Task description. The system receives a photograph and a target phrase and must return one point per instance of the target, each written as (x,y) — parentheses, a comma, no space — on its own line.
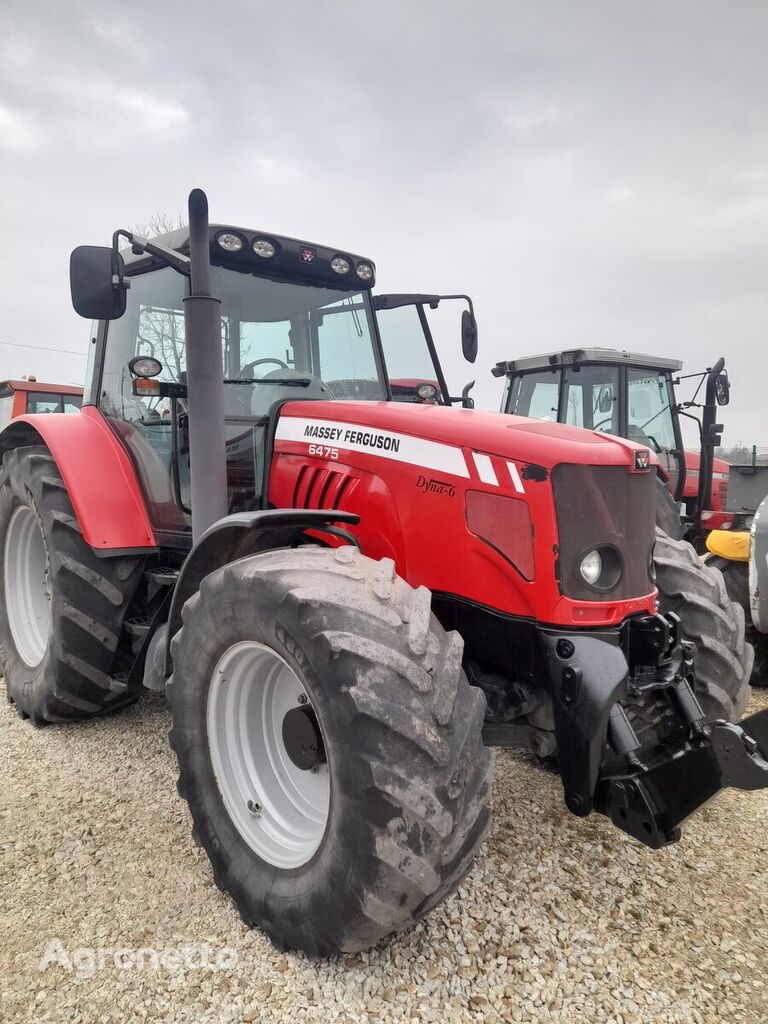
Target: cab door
(651,421)
(406,328)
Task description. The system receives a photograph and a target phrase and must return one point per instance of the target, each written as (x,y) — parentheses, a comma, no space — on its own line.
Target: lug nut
(302,698)
(254,807)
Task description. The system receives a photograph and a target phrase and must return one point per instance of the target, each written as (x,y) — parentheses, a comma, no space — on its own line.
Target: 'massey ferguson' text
(348,435)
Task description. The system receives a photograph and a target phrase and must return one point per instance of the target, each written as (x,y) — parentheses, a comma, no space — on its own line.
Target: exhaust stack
(205,375)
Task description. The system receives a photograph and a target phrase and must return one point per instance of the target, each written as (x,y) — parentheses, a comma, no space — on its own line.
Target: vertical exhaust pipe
(205,374)
(710,438)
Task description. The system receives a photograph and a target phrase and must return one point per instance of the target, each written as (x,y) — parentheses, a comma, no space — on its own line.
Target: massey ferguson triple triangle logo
(642,461)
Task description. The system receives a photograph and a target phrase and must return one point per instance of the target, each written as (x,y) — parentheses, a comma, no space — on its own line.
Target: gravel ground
(560,920)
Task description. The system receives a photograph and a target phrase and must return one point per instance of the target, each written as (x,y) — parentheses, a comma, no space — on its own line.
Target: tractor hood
(375,425)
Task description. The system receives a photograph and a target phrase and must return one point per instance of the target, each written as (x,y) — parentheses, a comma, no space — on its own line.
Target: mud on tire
(409,776)
(87,595)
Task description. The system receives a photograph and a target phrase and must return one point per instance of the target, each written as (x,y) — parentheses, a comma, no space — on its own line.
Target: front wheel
(329,746)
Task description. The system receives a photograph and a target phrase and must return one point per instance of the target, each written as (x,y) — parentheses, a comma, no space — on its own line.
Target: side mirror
(605,400)
(97,292)
(469,336)
(722,388)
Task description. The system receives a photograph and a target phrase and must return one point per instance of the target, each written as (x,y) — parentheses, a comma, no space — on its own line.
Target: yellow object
(733,545)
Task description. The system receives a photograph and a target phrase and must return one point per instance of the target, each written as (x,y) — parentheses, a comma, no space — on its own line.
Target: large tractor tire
(736,576)
(697,593)
(329,746)
(668,511)
(61,608)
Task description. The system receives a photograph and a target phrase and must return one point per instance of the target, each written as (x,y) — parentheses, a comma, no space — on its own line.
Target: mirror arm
(176,260)
(466,298)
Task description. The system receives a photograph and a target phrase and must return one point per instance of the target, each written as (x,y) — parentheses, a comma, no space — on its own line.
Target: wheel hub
(302,738)
(269,762)
(27,597)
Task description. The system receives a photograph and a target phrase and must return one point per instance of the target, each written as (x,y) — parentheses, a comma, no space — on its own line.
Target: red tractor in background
(343,596)
(633,395)
(18,397)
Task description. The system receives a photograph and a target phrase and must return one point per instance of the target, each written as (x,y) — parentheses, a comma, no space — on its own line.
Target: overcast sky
(592,173)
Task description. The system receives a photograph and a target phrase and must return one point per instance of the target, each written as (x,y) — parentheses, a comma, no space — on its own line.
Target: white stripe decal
(515,478)
(485,469)
(416,451)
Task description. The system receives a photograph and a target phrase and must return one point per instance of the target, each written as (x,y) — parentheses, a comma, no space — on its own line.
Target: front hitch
(589,674)
(652,801)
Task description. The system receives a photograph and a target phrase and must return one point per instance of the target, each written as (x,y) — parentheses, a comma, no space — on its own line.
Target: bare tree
(161,331)
(159,224)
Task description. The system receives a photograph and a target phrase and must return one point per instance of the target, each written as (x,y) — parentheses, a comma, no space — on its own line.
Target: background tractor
(632,395)
(32,396)
(343,595)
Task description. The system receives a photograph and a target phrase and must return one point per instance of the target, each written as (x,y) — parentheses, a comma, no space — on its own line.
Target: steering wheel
(247,370)
(602,423)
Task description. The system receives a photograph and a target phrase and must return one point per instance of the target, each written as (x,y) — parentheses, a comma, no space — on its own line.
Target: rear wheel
(329,746)
(62,607)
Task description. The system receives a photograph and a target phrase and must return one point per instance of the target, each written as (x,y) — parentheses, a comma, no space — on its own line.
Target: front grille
(604,505)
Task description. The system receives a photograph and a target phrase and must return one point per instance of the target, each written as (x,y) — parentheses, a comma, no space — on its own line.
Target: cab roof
(292,258)
(39,385)
(579,356)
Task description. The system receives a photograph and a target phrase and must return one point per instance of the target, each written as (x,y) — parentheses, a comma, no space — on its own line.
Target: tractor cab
(297,322)
(630,395)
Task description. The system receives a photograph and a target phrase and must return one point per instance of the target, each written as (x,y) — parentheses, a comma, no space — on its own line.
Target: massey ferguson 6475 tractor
(343,595)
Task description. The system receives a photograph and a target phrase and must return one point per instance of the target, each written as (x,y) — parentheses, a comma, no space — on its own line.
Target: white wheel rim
(27,599)
(279,809)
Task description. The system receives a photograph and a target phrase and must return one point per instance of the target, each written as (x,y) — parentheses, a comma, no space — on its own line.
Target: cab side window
(649,414)
(591,398)
(536,395)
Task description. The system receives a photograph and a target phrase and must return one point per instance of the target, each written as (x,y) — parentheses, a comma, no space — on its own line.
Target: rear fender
(98,475)
(241,534)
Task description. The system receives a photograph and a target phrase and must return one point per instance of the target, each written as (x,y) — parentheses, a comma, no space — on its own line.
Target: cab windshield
(280,341)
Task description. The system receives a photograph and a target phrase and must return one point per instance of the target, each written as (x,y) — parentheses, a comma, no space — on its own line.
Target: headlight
(340,265)
(364,271)
(591,567)
(264,248)
(145,366)
(601,567)
(427,392)
(229,241)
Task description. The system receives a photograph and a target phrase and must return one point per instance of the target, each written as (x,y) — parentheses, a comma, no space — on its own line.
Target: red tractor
(343,595)
(31,396)
(633,395)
